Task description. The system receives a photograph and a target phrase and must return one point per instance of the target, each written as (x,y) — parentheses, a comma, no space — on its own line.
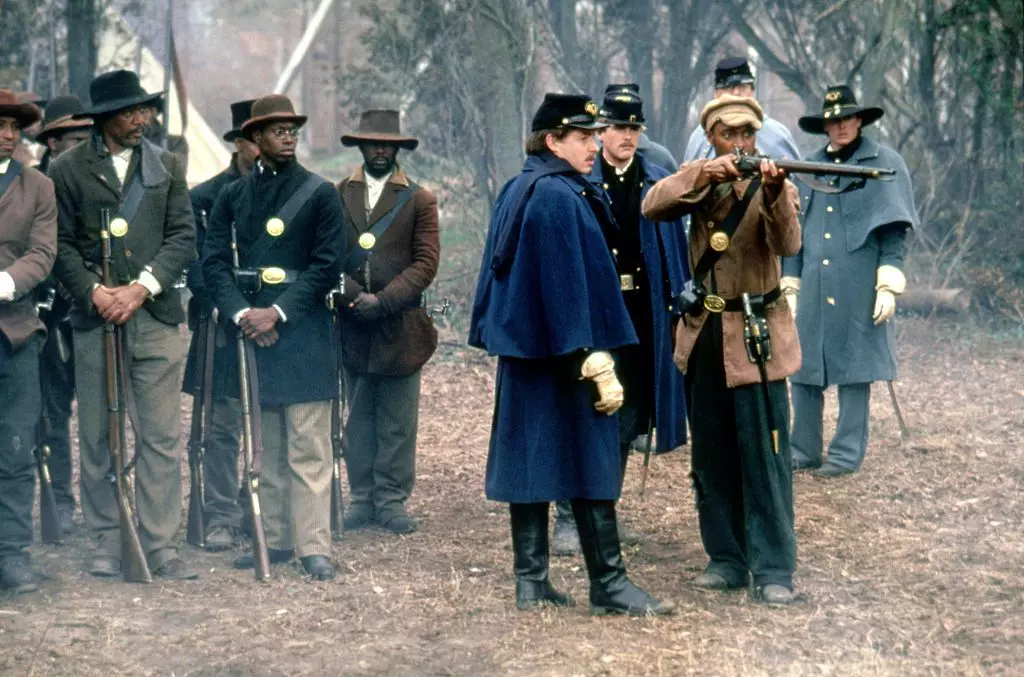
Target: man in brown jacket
(742,477)
(28,246)
(391,256)
(153,239)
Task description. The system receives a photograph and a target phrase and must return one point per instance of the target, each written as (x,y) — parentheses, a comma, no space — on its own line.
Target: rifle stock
(133,557)
(339,444)
(252,438)
(49,519)
(202,405)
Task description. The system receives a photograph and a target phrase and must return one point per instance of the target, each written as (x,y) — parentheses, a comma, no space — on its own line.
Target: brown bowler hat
(380,126)
(268,109)
(60,116)
(11,107)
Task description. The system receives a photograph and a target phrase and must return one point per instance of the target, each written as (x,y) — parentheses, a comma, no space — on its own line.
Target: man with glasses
(287,222)
(152,240)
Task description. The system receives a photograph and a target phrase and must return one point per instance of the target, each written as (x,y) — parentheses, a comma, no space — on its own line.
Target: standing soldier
(222,511)
(392,249)
(733,76)
(152,240)
(850,271)
(61,132)
(741,462)
(654,153)
(651,261)
(28,246)
(288,223)
(548,304)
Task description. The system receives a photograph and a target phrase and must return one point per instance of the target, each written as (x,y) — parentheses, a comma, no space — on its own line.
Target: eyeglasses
(285,132)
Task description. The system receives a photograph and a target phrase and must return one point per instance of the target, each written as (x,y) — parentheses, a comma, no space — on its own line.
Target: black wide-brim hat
(380,126)
(117,90)
(25,113)
(839,102)
(241,111)
(60,117)
(566,111)
(269,109)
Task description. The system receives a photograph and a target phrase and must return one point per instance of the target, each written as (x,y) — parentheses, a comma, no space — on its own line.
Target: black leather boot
(530,544)
(626,535)
(565,542)
(611,591)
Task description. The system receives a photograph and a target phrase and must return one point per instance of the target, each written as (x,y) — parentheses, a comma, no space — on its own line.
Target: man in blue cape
(548,304)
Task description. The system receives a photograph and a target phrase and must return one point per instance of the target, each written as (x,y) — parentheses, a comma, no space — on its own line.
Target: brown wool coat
(750,264)
(403,264)
(28,247)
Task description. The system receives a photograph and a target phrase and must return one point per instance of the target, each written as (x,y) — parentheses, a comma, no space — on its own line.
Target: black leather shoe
(611,591)
(774,595)
(219,539)
(801,464)
(358,516)
(175,569)
(832,470)
(400,524)
(247,561)
(66,517)
(319,567)
(105,566)
(709,580)
(17,577)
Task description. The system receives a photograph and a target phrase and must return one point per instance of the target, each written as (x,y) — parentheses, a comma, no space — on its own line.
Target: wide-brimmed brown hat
(60,116)
(11,107)
(839,102)
(268,109)
(380,126)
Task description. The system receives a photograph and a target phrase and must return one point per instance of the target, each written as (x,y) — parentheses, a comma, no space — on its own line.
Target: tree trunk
(83,20)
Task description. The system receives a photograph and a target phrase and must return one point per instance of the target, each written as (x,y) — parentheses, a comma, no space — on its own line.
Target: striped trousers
(295,478)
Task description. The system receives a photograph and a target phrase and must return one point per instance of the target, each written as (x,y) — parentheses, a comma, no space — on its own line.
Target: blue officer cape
(549,290)
(665,257)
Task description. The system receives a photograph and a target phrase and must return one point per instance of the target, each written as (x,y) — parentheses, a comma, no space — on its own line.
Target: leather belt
(716,304)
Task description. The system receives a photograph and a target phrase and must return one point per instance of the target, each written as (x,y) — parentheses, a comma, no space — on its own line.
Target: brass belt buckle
(714,303)
(626,283)
(273,275)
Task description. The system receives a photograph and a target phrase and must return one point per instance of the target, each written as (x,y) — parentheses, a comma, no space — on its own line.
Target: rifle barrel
(751,163)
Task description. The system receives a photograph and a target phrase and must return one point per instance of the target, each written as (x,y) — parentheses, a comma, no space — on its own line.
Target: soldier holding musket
(222,512)
(28,246)
(152,241)
(288,224)
(740,460)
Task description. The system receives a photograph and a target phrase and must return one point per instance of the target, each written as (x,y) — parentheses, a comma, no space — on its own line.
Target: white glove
(600,368)
(790,287)
(889,281)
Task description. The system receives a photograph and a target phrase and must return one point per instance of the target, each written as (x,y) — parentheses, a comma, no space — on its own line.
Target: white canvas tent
(208,155)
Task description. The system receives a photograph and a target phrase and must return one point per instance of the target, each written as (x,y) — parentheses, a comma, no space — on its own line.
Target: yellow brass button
(127,253)
(828,236)
(825,262)
(615,252)
(838,161)
(829,208)
(606,186)
(831,301)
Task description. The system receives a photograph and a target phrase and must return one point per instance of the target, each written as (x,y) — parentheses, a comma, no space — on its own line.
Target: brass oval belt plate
(273,275)
(714,304)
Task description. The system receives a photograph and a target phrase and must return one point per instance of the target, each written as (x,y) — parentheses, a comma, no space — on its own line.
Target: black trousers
(57,383)
(19,413)
(744,489)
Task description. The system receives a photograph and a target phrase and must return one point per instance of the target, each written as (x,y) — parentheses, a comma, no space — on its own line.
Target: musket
(755,335)
(904,430)
(49,518)
(751,164)
(133,557)
(252,436)
(202,416)
(339,443)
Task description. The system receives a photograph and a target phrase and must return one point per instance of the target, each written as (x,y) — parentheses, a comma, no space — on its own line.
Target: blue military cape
(549,290)
(664,250)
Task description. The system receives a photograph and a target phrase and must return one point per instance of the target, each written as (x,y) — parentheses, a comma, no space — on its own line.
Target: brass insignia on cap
(837,109)
(119,227)
(632,118)
(273,275)
(591,108)
(624,98)
(367,240)
(832,96)
(719,241)
(275,227)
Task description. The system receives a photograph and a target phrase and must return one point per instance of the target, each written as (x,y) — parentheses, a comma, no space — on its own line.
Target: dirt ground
(912,567)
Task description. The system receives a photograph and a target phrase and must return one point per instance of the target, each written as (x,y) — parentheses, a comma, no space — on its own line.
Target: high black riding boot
(565,542)
(626,535)
(611,591)
(530,544)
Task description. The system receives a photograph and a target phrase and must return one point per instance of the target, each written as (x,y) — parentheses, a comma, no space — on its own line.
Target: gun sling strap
(356,255)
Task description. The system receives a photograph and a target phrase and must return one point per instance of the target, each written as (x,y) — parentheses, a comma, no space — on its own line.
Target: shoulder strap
(732,221)
(508,241)
(13,169)
(357,254)
(133,198)
(299,198)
